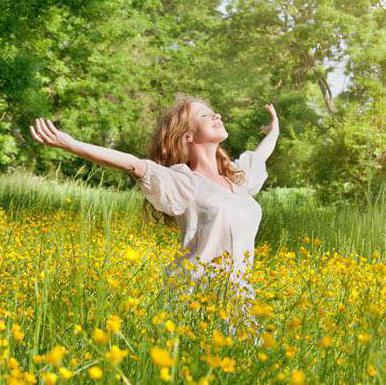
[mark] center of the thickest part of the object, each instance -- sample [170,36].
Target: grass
[288,214]
[85,299]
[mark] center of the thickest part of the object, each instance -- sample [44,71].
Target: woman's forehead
[200,107]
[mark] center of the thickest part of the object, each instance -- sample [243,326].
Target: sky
[337,80]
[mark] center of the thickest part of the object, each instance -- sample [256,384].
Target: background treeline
[103,70]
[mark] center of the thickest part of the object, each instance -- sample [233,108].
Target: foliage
[103,70]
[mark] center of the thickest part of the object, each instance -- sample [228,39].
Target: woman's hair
[166,147]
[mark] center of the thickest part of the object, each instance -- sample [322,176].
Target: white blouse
[211,218]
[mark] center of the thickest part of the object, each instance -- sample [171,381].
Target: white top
[211,218]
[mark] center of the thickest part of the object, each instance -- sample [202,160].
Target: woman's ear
[188,137]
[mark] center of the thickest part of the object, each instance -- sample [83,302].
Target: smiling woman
[189,178]
[214,219]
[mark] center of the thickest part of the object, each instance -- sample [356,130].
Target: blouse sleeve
[167,188]
[254,166]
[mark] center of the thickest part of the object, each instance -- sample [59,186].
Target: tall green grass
[288,214]
[348,228]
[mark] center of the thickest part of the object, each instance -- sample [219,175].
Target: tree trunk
[327,95]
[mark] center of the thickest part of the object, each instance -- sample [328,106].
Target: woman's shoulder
[181,167]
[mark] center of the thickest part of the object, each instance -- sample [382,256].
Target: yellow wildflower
[203,381]
[302,302]
[95,372]
[264,249]
[131,303]
[132,255]
[116,355]
[185,372]
[268,340]
[30,378]
[340,361]
[165,374]
[161,357]
[204,325]
[170,326]
[371,371]
[100,336]
[326,342]
[214,361]
[50,378]
[228,365]
[159,318]
[114,323]
[73,362]
[364,338]
[195,305]
[298,378]
[262,310]
[218,339]
[55,355]
[290,351]
[222,313]
[13,363]
[303,250]
[317,242]
[18,335]
[295,322]
[37,359]
[170,343]
[262,356]
[65,373]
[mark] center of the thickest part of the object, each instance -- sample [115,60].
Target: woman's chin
[224,136]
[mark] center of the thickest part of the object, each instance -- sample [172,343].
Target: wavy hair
[166,147]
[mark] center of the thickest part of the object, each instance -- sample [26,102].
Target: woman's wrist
[72,145]
[274,128]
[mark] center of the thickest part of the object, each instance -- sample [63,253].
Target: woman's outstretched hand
[274,123]
[46,133]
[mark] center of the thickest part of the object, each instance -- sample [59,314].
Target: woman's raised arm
[46,133]
[267,145]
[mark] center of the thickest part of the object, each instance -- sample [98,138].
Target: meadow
[84,297]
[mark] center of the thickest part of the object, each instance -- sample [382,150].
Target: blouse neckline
[233,192]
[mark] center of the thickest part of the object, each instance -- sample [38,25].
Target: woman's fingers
[46,130]
[40,131]
[271,109]
[35,135]
[52,127]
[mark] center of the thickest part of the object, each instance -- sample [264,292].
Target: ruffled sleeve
[169,189]
[254,166]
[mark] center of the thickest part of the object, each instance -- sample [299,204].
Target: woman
[190,177]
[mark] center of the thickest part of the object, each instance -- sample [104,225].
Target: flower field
[86,299]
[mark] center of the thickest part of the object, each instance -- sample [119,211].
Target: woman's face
[207,123]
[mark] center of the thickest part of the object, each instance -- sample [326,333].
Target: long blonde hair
[166,147]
